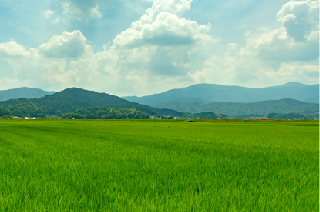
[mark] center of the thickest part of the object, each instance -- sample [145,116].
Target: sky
[142,47]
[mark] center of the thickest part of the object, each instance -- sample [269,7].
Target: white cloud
[289,53]
[163,50]
[276,46]
[71,10]
[171,6]
[159,45]
[232,69]
[290,72]
[101,63]
[162,26]
[296,40]
[35,69]
[67,45]
[300,18]
[6,83]
[49,67]
[159,62]
[12,49]
[30,68]
[166,30]
[299,72]
[48,13]
[229,69]
[81,9]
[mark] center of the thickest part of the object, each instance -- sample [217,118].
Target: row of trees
[293,116]
[210,115]
[4,112]
[26,110]
[107,113]
[34,110]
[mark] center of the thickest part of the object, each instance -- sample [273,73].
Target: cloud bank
[162,49]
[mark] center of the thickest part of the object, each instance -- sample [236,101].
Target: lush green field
[158,166]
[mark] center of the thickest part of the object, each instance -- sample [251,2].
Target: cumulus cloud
[162,26]
[71,10]
[299,71]
[276,46]
[12,49]
[159,45]
[101,63]
[163,50]
[162,63]
[230,69]
[233,69]
[167,29]
[300,18]
[67,45]
[45,67]
[296,40]
[34,70]
[271,56]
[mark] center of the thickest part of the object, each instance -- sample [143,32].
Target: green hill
[71,99]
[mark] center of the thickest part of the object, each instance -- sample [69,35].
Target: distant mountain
[23,93]
[233,109]
[206,93]
[71,99]
[77,102]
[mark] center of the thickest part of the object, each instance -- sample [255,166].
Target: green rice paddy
[158,166]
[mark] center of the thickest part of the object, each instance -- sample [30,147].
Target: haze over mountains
[23,93]
[206,93]
[234,109]
[233,101]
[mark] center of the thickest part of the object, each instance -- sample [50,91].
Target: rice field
[73,165]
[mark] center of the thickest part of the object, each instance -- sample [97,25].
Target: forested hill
[71,99]
[206,93]
[234,109]
[23,93]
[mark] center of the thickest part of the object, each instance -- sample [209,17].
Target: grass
[158,166]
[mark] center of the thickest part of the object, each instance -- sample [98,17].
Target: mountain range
[206,93]
[235,109]
[23,93]
[196,99]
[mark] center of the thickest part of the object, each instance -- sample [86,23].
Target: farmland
[85,165]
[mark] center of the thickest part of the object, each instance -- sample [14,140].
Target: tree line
[105,113]
[293,116]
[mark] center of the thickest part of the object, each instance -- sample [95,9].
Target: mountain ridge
[206,93]
[78,102]
[23,92]
[233,109]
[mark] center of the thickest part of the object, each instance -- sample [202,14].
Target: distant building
[153,117]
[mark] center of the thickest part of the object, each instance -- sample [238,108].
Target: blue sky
[142,47]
